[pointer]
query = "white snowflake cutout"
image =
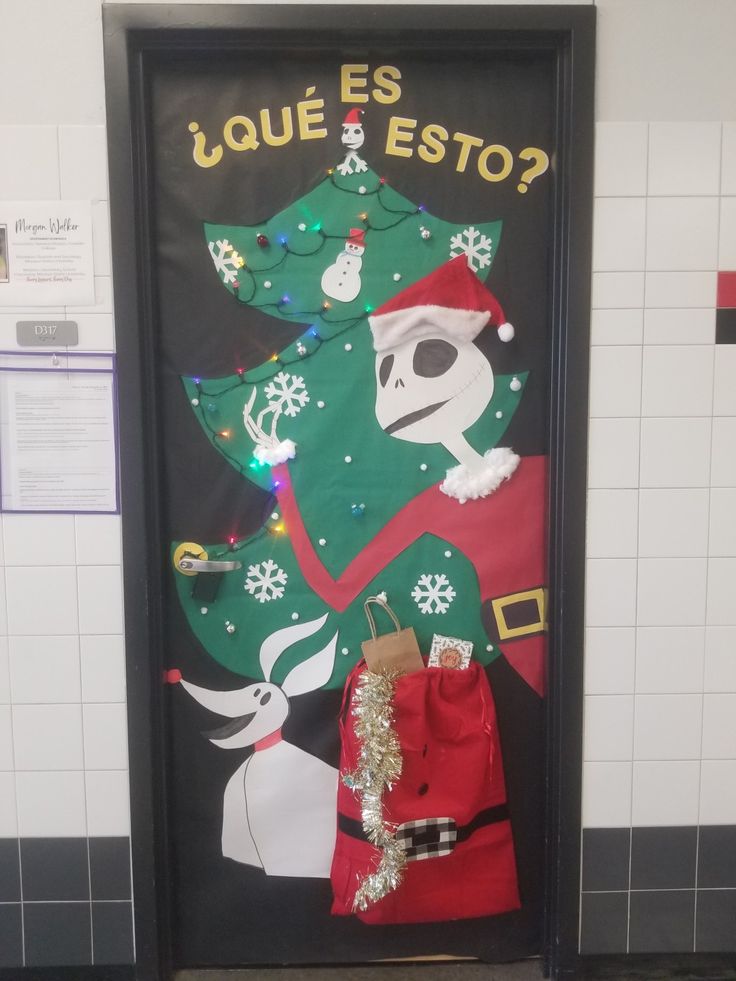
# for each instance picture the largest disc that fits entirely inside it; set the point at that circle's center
(287, 393)
(266, 581)
(475, 245)
(226, 260)
(433, 593)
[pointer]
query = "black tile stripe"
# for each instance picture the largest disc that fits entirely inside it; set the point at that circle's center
(717, 857)
(715, 921)
(9, 871)
(663, 858)
(662, 921)
(726, 326)
(65, 897)
(666, 913)
(606, 859)
(54, 869)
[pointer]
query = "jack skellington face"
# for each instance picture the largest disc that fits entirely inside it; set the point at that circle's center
(431, 390)
(353, 136)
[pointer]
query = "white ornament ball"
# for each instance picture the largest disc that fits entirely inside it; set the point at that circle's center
(499, 414)
(320, 404)
(230, 627)
(323, 542)
(425, 233)
(275, 515)
(345, 650)
(204, 610)
(348, 347)
(267, 284)
(506, 332)
(362, 189)
(422, 466)
(195, 401)
(397, 277)
(515, 384)
(348, 459)
(301, 226)
(448, 554)
(489, 647)
(294, 616)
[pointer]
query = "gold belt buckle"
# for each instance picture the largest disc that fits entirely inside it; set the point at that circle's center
(505, 632)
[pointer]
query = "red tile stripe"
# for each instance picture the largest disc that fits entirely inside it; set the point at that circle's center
(726, 296)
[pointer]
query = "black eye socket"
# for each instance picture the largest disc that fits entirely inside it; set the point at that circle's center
(266, 698)
(257, 692)
(433, 358)
(384, 369)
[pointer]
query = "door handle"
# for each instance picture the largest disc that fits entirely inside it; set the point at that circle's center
(208, 565)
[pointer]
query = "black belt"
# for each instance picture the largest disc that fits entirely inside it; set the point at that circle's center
(430, 837)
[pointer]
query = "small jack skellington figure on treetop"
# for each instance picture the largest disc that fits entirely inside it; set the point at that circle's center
(352, 139)
(432, 382)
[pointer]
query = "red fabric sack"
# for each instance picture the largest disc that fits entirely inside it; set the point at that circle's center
(463, 867)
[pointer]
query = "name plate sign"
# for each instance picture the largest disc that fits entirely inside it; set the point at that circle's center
(47, 333)
(46, 254)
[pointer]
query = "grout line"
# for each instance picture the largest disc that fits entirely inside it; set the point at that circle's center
(616, 892)
(78, 902)
(638, 549)
(707, 564)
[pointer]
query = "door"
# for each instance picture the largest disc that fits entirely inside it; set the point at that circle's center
(353, 279)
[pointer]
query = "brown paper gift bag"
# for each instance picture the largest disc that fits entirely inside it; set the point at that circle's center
(398, 650)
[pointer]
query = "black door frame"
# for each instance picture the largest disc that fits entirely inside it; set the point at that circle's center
(135, 37)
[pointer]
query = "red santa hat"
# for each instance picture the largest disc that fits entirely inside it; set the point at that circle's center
(356, 237)
(451, 300)
(353, 117)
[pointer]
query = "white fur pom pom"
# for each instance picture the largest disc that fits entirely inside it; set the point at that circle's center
(506, 332)
(468, 485)
(280, 453)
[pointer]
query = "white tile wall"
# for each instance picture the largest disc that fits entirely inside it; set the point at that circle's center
(724, 390)
(51, 804)
(107, 804)
(609, 660)
(63, 733)
(48, 737)
(44, 670)
(674, 653)
(617, 290)
(661, 596)
(720, 659)
(684, 158)
(718, 792)
(607, 795)
(665, 793)
(679, 325)
(728, 159)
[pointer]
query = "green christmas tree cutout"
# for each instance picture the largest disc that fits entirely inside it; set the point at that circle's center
(278, 265)
(314, 404)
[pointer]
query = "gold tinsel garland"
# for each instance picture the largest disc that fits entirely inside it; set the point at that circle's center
(379, 766)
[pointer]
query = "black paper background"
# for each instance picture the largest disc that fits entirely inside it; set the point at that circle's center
(225, 913)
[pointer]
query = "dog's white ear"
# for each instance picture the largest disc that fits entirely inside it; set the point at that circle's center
(312, 673)
(276, 643)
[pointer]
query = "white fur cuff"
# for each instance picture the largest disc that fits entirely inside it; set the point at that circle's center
(465, 484)
(273, 455)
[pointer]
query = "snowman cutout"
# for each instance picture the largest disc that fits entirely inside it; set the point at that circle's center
(280, 804)
(432, 382)
(352, 139)
(341, 281)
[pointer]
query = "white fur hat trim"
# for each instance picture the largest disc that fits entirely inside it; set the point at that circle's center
(465, 484)
(273, 455)
(393, 328)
